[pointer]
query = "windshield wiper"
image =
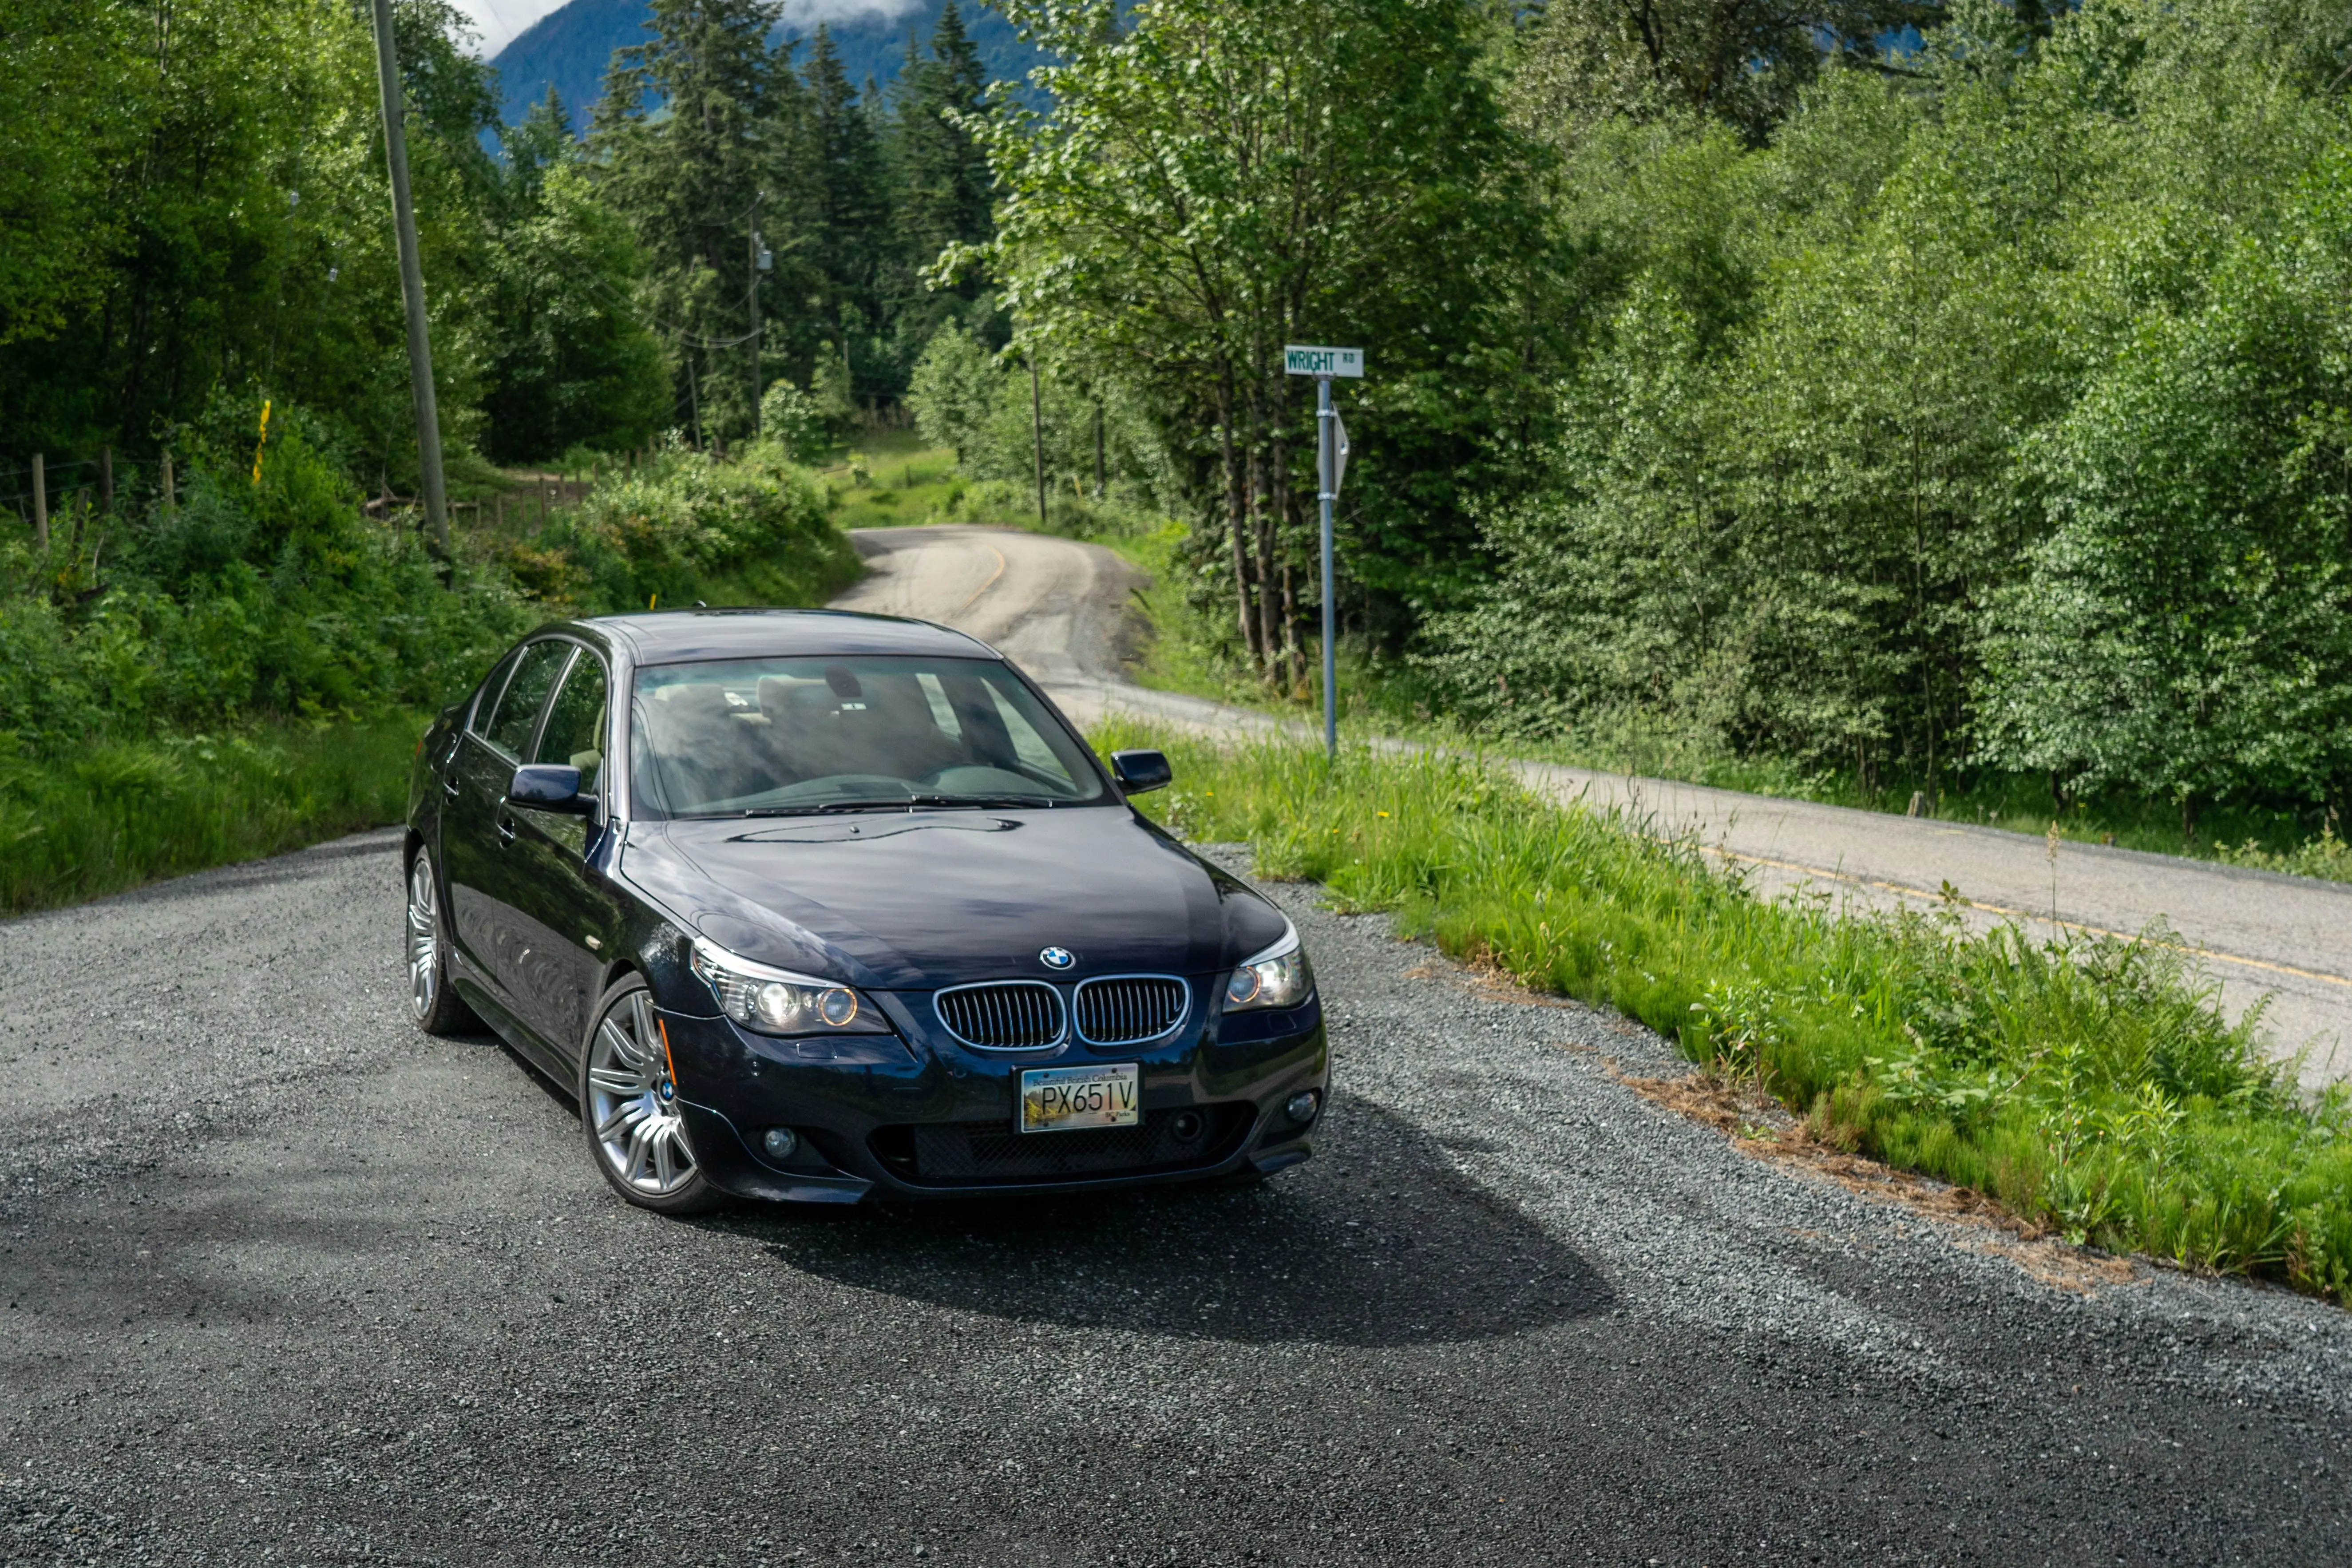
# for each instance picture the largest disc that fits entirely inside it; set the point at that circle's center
(903, 803)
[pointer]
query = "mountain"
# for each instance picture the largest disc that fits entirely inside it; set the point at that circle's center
(570, 48)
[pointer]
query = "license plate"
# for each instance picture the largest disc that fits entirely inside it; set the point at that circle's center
(1056, 1099)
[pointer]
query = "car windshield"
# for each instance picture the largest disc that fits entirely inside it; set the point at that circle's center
(782, 737)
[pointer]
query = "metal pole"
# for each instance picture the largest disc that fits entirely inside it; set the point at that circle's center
(752, 251)
(1330, 663)
(411, 284)
(1037, 437)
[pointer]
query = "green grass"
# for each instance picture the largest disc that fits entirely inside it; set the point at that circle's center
(116, 814)
(2090, 1086)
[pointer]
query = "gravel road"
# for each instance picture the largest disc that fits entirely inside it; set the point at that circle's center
(1061, 608)
(286, 1281)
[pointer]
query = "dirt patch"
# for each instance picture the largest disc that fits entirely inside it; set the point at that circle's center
(1489, 983)
(1762, 1128)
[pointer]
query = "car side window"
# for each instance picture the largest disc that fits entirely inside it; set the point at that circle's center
(519, 705)
(575, 731)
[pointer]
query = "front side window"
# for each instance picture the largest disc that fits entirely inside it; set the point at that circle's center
(508, 727)
(791, 736)
(574, 735)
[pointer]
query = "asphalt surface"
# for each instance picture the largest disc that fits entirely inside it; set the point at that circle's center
(1061, 609)
(288, 1281)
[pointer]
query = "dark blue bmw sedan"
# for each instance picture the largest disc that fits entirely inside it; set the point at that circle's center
(819, 906)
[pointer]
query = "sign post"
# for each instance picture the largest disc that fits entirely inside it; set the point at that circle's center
(1330, 463)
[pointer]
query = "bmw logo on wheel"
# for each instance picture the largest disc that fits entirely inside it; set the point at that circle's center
(1057, 958)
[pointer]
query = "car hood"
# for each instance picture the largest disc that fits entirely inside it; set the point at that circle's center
(925, 899)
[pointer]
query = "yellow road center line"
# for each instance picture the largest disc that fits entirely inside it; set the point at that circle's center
(984, 587)
(1906, 890)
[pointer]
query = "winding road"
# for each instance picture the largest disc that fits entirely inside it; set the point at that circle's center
(284, 1280)
(1061, 609)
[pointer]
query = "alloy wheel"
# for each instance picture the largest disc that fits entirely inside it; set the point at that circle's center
(423, 937)
(633, 1102)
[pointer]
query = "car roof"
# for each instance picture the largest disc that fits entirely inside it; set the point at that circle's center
(667, 636)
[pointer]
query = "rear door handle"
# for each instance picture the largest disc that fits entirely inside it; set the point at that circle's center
(449, 786)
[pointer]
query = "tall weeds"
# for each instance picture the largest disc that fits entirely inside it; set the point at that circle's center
(2090, 1085)
(83, 823)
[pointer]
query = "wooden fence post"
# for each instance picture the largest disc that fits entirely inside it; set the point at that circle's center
(106, 478)
(170, 500)
(40, 504)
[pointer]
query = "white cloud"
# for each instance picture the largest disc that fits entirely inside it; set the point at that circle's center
(499, 21)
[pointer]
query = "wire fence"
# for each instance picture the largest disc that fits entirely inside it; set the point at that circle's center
(76, 481)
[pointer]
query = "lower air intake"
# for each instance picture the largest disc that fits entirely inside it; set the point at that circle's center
(956, 1153)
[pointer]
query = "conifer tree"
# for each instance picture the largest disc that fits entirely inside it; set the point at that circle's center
(851, 198)
(686, 135)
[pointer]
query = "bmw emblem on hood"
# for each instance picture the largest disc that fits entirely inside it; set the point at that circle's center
(1057, 958)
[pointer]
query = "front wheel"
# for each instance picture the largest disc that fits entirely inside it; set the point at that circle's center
(628, 1107)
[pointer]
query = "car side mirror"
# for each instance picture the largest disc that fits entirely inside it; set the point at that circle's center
(1140, 771)
(550, 786)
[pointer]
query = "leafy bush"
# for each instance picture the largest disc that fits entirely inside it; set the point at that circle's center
(685, 527)
(791, 419)
(276, 596)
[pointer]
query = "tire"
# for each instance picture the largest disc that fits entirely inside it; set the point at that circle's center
(628, 1107)
(433, 1003)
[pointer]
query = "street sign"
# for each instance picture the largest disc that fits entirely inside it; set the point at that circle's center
(1299, 361)
(1330, 466)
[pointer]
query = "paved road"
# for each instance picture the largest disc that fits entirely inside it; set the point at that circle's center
(1060, 608)
(282, 1281)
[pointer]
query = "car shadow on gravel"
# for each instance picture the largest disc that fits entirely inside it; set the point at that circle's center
(1378, 1240)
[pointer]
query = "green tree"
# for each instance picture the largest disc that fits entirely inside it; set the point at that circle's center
(685, 142)
(570, 363)
(1214, 181)
(1730, 59)
(851, 219)
(2186, 626)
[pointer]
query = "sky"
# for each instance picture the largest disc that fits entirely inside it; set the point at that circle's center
(498, 21)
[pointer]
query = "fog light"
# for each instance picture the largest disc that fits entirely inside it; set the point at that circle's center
(1301, 1107)
(1186, 1126)
(781, 1142)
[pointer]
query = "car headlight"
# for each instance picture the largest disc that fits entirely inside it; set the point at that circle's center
(778, 1002)
(1278, 977)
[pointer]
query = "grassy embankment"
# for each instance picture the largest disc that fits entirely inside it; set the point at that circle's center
(121, 813)
(137, 796)
(2091, 1086)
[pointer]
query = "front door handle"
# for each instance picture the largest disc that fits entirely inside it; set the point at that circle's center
(506, 827)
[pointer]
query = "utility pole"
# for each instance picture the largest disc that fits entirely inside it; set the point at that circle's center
(412, 285)
(760, 260)
(1037, 436)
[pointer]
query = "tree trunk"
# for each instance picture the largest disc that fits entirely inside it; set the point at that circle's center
(1234, 512)
(1292, 653)
(1269, 638)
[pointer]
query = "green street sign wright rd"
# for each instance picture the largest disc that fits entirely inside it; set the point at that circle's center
(1297, 360)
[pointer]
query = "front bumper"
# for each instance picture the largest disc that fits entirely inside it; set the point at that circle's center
(916, 1116)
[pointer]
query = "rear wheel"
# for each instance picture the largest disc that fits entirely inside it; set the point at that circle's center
(628, 1107)
(431, 1000)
